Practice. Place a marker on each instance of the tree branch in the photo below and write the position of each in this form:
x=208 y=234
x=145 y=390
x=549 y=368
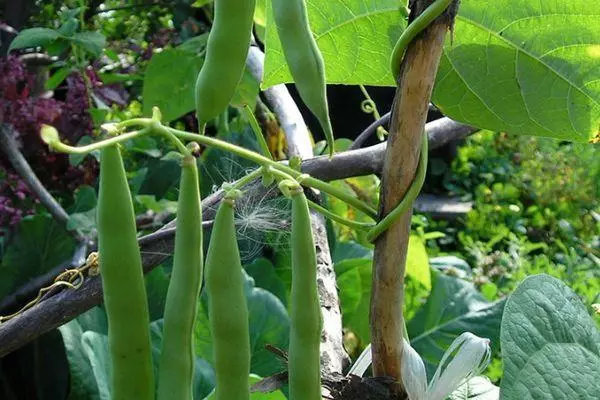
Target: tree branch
x=24 y=170
x=409 y=114
x=156 y=247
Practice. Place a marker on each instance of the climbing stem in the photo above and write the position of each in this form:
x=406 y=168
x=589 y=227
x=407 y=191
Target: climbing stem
x=275 y=166
x=65 y=148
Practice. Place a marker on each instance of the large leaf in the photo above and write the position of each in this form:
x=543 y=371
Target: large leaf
x=82 y=381
x=39 y=245
x=252 y=379
x=550 y=344
x=453 y=307
x=92 y=42
x=34 y=37
x=169 y=83
x=525 y=67
x=476 y=388
x=204 y=375
x=95 y=346
x=354 y=277
x=264 y=275
x=354 y=281
x=269 y=324
x=417 y=261
x=521 y=66
x=356 y=38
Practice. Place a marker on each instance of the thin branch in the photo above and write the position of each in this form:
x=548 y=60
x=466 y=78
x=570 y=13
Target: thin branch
x=157 y=246
x=24 y=170
x=370 y=131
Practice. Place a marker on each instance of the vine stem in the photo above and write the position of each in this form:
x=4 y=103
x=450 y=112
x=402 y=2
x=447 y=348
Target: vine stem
x=266 y=162
x=65 y=148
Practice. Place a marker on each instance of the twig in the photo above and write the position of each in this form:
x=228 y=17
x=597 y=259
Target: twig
x=409 y=114
x=369 y=131
x=369 y=160
x=22 y=167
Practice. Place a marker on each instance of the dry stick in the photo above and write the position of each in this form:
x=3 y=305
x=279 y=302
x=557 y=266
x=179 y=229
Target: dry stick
x=333 y=356
x=21 y=166
x=157 y=246
x=409 y=113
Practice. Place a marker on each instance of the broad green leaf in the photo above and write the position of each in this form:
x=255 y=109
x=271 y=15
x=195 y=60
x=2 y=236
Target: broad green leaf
x=355 y=38
x=451 y=265
x=348 y=250
x=246 y=91
x=264 y=275
x=157 y=284
x=195 y=44
x=453 y=307
x=252 y=379
x=220 y=166
x=476 y=388
x=83 y=384
x=161 y=177
x=354 y=282
x=524 y=67
x=169 y=83
x=34 y=37
x=550 y=344
x=269 y=324
x=57 y=78
x=39 y=245
x=204 y=375
x=92 y=42
x=417 y=262
x=95 y=346
x=521 y=66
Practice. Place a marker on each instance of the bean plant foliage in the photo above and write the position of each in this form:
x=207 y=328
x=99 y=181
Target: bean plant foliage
x=522 y=67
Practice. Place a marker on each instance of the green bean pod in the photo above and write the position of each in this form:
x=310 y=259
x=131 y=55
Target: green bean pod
x=227 y=309
x=226 y=52
x=305 y=312
x=304 y=60
x=120 y=263
x=177 y=359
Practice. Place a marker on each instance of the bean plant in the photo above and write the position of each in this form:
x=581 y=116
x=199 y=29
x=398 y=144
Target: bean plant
x=221 y=275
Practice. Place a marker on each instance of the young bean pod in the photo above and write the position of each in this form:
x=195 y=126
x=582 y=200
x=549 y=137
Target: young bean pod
x=226 y=52
x=176 y=373
x=120 y=263
x=305 y=312
x=304 y=60
x=227 y=309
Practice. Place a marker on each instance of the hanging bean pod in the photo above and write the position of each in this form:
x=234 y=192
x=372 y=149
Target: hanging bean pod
x=305 y=312
x=176 y=373
x=227 y=309
x=226 y=52
x=123 y=284
x=304 y=60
